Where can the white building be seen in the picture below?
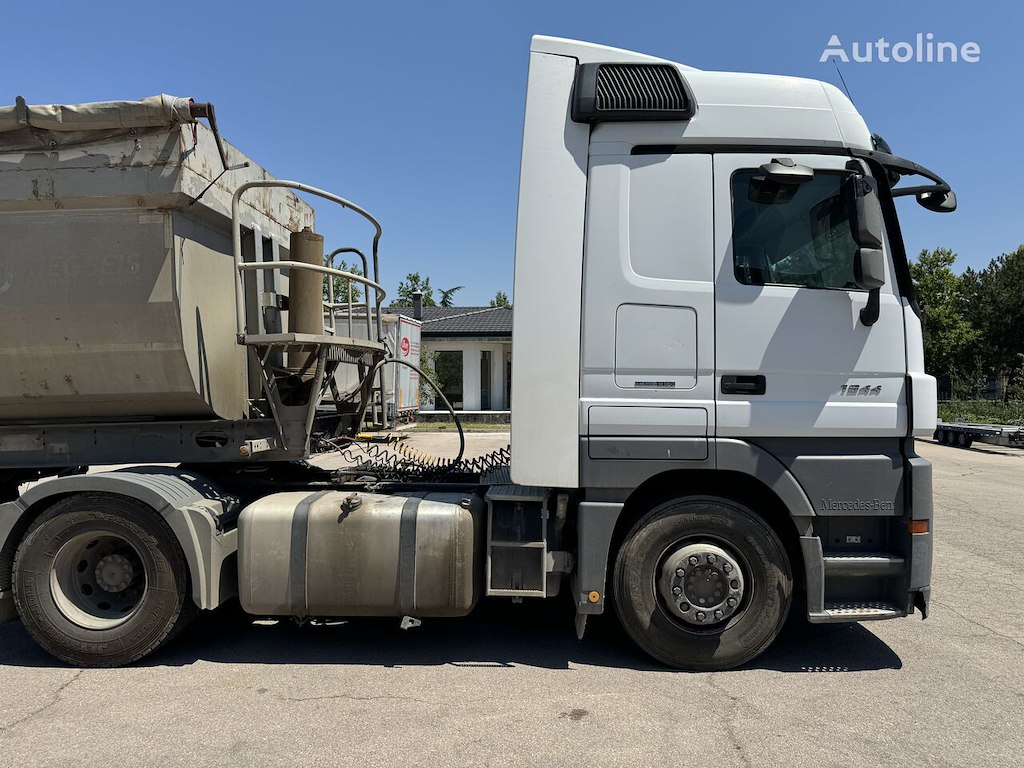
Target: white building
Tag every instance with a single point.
(470, 349)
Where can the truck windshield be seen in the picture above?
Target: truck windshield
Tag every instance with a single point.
(801, 237)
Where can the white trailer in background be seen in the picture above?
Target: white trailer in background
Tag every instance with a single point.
(963, 435)
(719, 376)
(401, 334)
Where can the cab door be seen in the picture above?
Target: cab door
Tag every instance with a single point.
(647, 365)
(793, 355)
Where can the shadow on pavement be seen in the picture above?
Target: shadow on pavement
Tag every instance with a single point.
(539, 634)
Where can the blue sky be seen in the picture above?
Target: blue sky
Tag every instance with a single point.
(414, 109)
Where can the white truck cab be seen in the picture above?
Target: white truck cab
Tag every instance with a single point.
(712, 296)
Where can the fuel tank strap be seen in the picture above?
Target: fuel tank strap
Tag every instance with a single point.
(299, 538)
(407, 557)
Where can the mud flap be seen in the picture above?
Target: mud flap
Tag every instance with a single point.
(7, 610)
(921, 598)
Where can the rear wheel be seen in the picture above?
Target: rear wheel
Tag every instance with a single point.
(100, 581)
(702, 583)
(963, 439)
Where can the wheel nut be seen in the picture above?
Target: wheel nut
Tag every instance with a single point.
(718, 614)
(677, 590)
(727, 567)
(712, 558)
(693, 561)
(700, 616)
(680, 572)
(731, 602)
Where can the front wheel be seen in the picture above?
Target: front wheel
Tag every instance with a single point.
(702, 583)
(100, 581)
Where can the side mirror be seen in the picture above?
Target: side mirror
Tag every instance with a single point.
(866, 219)
(866, 229)
(938, 202)
(869, 268)
(869, 274)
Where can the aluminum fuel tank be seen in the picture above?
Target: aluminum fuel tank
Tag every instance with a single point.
(334, 553)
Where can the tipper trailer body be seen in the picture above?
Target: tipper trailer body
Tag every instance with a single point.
(718, 377)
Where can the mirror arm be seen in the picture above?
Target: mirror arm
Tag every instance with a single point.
(870, 311)
(936, 188)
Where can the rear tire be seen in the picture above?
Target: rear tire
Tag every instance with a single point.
(672, 586)
(101, 581)
(962, 439)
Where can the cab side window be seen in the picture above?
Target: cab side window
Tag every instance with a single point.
(794, 234)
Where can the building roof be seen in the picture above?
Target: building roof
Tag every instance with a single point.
(462, 321)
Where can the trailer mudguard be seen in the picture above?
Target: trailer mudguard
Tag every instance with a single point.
(197, 511)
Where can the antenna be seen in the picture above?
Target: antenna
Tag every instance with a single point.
(843, 80)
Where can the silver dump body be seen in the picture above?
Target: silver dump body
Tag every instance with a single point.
(116, 287)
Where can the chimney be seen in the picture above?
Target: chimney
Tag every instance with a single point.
(417, 305)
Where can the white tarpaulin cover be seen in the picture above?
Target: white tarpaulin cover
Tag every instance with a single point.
(98, 116)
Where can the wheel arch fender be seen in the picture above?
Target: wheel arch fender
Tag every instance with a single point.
(194, 508)
(741, 472)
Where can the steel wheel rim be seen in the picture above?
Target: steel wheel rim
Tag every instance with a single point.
(98, 580)
(679, 595)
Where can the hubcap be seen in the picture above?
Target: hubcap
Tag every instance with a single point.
(702, 584)
(114, 573)
(97, 580)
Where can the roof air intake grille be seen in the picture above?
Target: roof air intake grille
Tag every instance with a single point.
(624, 92)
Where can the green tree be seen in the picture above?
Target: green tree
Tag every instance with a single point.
(992, 300)
(448, 296)
(950, 340)
(414, 282)
(343, 287)
(500, 300)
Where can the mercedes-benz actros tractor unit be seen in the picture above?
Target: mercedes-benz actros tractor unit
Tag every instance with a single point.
(718, 377)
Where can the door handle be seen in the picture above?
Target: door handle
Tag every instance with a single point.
(743, 385)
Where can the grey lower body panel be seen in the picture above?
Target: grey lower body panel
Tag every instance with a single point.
(850, 501)
(921, 509)
(595, 524)
(854, 476)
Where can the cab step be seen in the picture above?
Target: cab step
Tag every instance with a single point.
(852, 586)
(862, 564)
(859, 611)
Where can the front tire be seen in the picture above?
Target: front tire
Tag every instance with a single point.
(101, 581)
(702, 583)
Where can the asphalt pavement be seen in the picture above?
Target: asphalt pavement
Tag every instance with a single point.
(512, 686)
